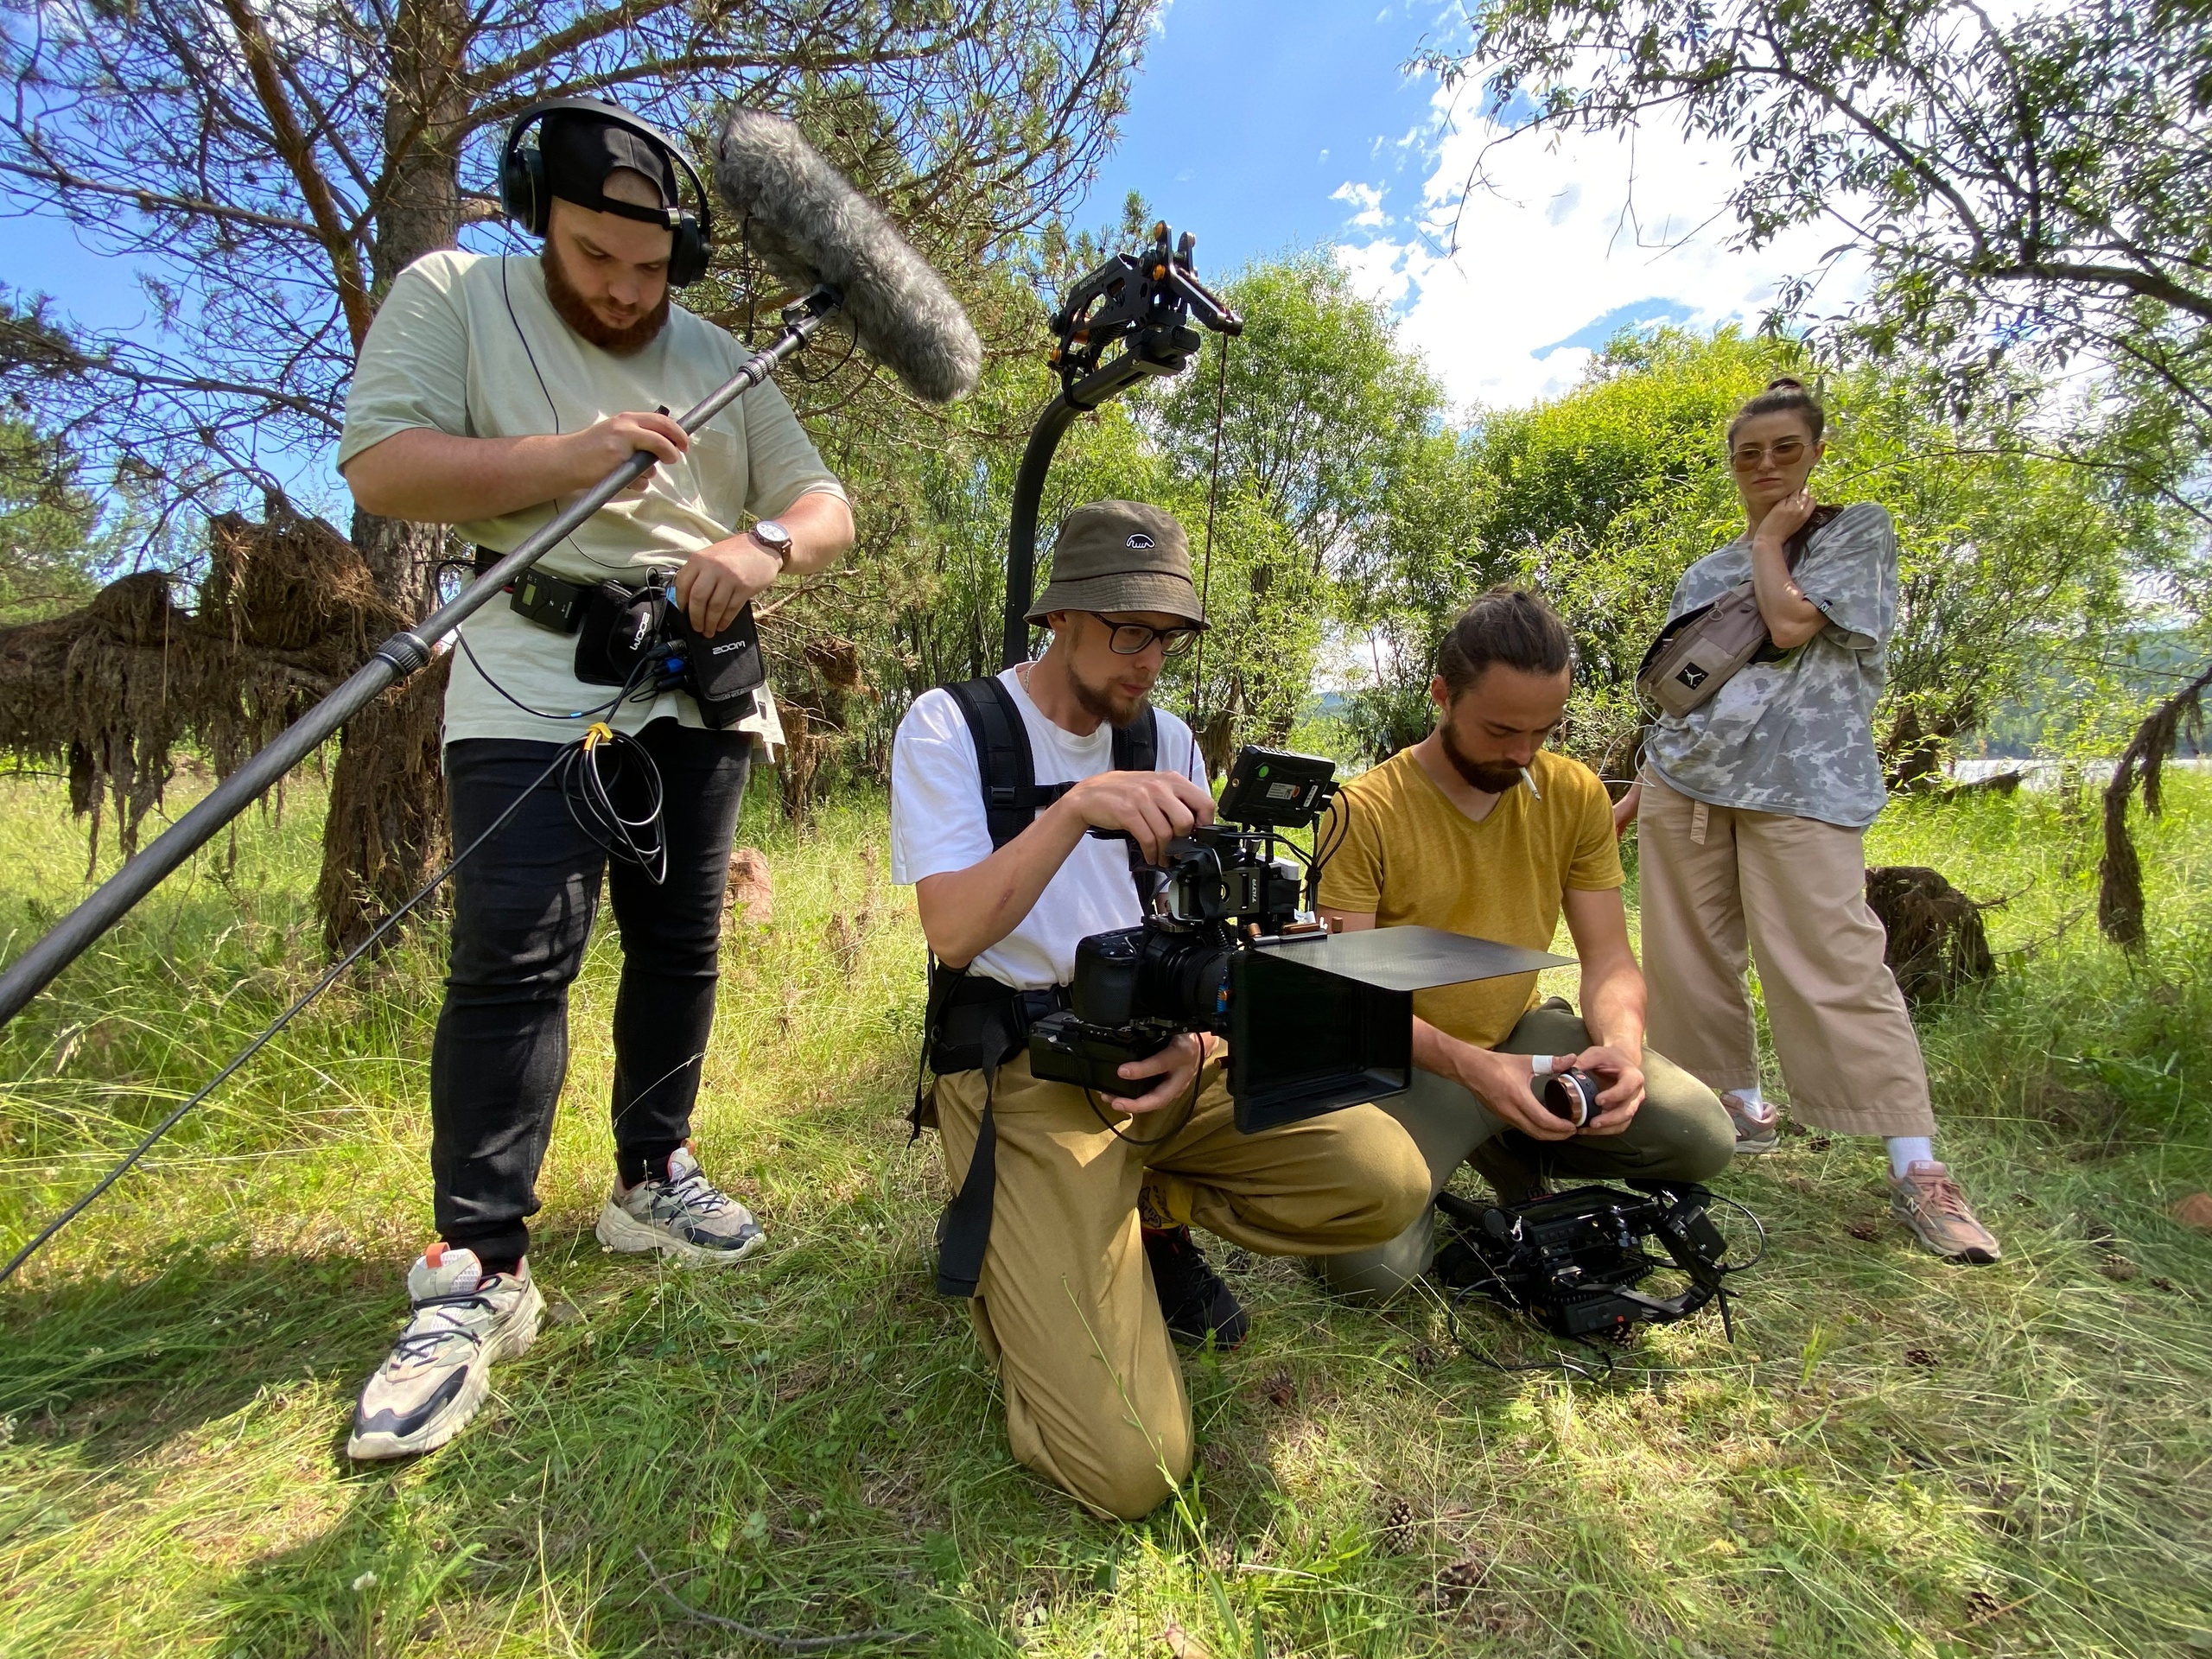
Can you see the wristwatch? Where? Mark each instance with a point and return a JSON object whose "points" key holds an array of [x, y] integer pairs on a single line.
{"points": [[778, 540]]}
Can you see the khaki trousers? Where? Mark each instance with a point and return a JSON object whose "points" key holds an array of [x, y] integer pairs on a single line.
{"points": [[1681, 1133], [1722, 888], [1065, 1306]]}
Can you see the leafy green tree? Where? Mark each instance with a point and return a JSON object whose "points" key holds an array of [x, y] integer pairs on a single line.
{"points": [[50, 547], [1322, 411], [2026, 185]]}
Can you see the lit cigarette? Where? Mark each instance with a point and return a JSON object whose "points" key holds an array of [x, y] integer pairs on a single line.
{"points": [[1531, 782]]}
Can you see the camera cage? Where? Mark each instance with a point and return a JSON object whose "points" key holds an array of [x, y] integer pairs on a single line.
{"points": [[1316, 1020], [1572, 1261]]}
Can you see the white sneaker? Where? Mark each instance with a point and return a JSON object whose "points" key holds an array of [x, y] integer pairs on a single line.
{"points": [[682, 1214], [434, 1379]]}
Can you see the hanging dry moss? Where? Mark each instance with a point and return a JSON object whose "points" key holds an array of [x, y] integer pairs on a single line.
{"points": [[2120, 875], [287, 610]]}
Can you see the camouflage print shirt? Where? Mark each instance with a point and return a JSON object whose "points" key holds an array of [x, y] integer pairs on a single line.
{"points": [[1795, 735]]}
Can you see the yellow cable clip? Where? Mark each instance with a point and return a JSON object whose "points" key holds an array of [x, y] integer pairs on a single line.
{"points": [[597, 733]]}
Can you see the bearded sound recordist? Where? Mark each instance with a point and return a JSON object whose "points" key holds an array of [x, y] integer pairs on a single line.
{"points": [[488, 389]]}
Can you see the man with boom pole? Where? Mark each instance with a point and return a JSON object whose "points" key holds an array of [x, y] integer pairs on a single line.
{"points": [[488, 390]]}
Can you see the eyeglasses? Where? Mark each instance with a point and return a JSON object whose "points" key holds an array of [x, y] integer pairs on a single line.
{"points": [[1130, 639], [1787, 452]]}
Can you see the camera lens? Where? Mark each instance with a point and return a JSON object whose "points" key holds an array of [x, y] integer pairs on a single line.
{"points": [[1572, 1095], [1180, 980]]}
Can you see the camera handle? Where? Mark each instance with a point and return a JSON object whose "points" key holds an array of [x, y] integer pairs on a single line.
{"points": [[1142, 303], [395, 659]]}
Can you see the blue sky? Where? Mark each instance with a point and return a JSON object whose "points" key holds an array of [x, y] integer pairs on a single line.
{"points": [[1248, 117], [1265, 127]]}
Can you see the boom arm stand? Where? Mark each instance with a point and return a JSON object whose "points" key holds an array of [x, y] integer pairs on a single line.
{"points": [[1142, 303], [393, 660]]}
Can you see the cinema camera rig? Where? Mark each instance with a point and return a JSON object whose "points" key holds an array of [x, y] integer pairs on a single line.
{"points": [[1571, 1260]]}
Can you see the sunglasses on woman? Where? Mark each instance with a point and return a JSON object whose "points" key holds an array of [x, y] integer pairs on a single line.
{"points": [[1787, 452]]}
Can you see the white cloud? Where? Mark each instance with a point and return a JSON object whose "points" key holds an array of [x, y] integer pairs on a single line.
{"points": [[1569, 234], [1365, 197]]}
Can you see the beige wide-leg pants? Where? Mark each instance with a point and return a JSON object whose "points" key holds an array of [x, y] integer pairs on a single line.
{"points": [[1721, 888], [1065, 1307]]}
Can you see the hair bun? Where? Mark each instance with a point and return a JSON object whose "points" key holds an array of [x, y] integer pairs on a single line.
{"points": [[1785, 382]]}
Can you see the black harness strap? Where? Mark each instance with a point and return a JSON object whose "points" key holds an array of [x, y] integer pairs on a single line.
{"points": [[978, 1023]]}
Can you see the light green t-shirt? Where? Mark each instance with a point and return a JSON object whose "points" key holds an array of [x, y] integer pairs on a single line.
{"points": [[469, 344]]}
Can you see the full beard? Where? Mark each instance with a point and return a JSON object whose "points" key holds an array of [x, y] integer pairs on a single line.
{"points": [[1478, 774], [1104, 705], [574, 310]]}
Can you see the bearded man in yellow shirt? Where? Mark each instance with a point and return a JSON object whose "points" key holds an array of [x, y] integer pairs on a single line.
{"points": [[1480, 829]]}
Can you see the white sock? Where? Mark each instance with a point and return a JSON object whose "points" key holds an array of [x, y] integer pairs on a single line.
{"points": [[1752, 1104], [1906, 1151]]}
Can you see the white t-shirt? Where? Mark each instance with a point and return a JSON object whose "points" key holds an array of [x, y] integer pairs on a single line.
{"points": [[937, 826]]}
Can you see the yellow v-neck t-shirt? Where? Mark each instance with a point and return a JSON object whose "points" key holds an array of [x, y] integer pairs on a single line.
{"points": [[1411, 856]]}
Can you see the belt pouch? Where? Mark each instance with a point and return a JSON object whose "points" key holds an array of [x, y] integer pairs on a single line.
{"points": [[620, 625], [724, 670]]}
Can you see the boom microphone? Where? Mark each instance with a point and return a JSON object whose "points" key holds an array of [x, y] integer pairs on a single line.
{"points": [[812, 229]]}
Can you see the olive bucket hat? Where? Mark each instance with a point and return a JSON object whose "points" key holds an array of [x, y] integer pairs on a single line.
{"points": [[1120, 556]]}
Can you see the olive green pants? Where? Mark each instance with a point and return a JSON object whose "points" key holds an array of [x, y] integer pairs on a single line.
{"points": [[1065, 1306], [1681, 1133]]}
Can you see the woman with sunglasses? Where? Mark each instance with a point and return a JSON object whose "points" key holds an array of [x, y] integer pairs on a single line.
{"points": [[1751, 813]]}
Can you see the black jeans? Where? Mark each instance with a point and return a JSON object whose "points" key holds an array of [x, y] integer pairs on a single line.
{"points": [[523, 910]]}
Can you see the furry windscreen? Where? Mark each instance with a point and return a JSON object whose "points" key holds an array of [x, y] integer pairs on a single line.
{"points": [[801, 219]]}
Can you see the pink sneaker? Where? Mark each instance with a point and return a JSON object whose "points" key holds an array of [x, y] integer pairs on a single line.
{"points": [[1929, 1201]]}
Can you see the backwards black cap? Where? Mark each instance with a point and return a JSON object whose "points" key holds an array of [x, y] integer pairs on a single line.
{"points": [[581, 150]]}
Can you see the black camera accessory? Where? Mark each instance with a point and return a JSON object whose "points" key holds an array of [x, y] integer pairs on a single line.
{"points": [[1572, 1095], [622, 625], [1274, 789], [540, 597], [721, 671], [1572, 1261], [1126, 322], [525, 199], [1065, 1049], [550, 602]]}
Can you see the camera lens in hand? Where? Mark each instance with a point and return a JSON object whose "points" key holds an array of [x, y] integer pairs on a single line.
{"points": [[1572, 1095]]}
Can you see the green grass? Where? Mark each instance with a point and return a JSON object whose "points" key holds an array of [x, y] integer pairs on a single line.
{"points": [[1896, 1456]]}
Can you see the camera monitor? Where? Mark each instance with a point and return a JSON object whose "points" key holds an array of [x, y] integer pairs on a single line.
{"points": [[1325, 1019], [1274, 788]]}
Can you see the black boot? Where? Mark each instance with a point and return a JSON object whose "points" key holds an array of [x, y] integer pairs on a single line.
{"points": [[1192, 1298]]}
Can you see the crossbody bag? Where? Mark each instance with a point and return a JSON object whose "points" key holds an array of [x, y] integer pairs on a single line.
{"points": [[1701, 650]]}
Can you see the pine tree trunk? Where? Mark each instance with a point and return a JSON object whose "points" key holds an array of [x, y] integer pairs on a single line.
{"points": [[386, 828]]}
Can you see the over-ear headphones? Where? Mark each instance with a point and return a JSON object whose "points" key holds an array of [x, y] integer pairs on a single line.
{"points": [[524, 198]]}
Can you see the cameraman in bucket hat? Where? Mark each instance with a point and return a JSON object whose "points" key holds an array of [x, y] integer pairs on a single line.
{"points": [[1084, 1265]]}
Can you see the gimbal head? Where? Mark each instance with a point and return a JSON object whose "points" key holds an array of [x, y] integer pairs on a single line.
{"points": [[1141, 303]]}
